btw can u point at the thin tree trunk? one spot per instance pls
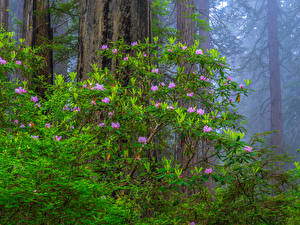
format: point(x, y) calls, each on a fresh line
point(187, 29)
point(60, 67)
point(274, 69)
point(37, 32)
point(4, 6)
point(185, 24)
point(102, 22)
point(204, 11)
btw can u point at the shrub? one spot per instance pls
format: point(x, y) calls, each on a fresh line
point(99, 151)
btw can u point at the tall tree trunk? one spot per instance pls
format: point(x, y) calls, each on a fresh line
point(4, 6)
point(187, 29)
point(274, 69)
point(37, 32)
point(185, 24)
point(204, 11)
point(102, 22)
point(60, 66)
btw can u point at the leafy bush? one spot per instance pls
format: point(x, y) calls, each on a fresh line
point(100, 151)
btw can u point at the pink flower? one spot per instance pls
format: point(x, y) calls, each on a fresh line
point(2, 61)
point(106, 100)
point(47, 125)
point(184, 48)
point(84, 86)
point(104, 47)
point(126, 58)
point(170, 50)
point(18, 62)
point(34, 191)
point(134, 44)
point(93, 102)
point(99, 87)
point(157, 104)
point(230, 99)
point(202, 77)
point(154, 88)
point(115, 125)
point(199, 52)
point(35, 137)
point(170, 107)
point(226, 84)
point(30, 124)
point(192, 223)
point(34, 99)
point(143, 140)
point(115, 51)
point(191, 109)
point(154, 70)
point(16, 121)
point(110, 113)
point(172, 85)
point(20, 90)
point(76, 109)
point(57, 138)
point(22, 125)
point(145, 55)
point(191, 94)
point(101, 124)
point(162, 84)
point(200, 111)
point(207, 129)
point(248, 148)
point(241, 85)
point(208, 170)
point(229, 78)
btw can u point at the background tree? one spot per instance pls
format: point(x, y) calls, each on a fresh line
point(4, 7)
point(37, 32)
point(274, 69)
point(102, 22)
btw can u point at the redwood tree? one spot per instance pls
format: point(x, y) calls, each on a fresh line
point(204, 11)
point(4, 6)
point(37, 32)
point(102, 22)
point(274, 70)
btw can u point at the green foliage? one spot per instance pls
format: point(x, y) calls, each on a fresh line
point(98, 151)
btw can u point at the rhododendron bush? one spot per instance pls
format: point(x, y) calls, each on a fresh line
point(101, 151)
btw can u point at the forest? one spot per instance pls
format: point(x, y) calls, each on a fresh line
point(164, 112)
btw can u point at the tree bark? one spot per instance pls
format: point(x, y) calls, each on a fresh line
point(4, 6)
point(274, 69)
point(37, 32)
point(204, 11)
point(187, 29)
point(102, 22)
point(185, 24)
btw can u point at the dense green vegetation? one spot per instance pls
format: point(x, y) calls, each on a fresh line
point(100, 151)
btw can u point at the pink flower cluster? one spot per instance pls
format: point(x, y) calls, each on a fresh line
point(247, 149)
point(20, 90)
point(155, 70)
point(57, 138)
point(142, 140)
point(2, 61)
point(115, 125)
point(199, 52)
point(208, 170)
point(204, 78)
point(207, 129)
point(34, 99)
